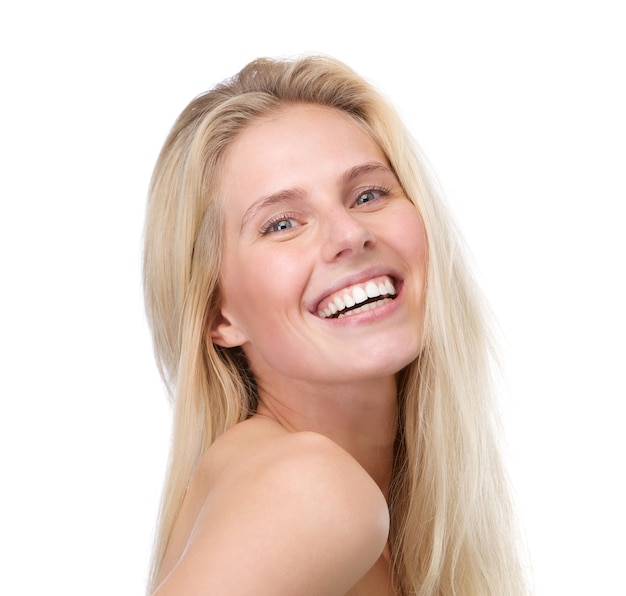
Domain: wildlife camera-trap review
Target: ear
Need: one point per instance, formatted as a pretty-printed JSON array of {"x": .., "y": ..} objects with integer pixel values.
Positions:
[{"x": 226, "y": 334}]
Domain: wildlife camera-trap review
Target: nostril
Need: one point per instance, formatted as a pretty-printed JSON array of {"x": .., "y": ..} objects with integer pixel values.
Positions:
[
  {"x": 345, "y": 234},
  {"x": 357, "y": 239}
]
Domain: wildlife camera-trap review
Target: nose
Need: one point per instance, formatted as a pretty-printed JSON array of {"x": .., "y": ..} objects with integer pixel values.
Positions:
[{"x": 345, "y": 234}]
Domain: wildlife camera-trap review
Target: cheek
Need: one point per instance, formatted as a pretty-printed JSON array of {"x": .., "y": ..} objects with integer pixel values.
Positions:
[
  {"x": 259, "y": 286},
  {"x": 412, "y": 244},
  {"x": 242, "y": 296},
  {"x": 420, "y": 245},
  {"x": 411, "y": 240}
]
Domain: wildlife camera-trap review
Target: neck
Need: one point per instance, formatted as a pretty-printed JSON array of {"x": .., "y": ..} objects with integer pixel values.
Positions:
[{"x": 360, "y": 418}]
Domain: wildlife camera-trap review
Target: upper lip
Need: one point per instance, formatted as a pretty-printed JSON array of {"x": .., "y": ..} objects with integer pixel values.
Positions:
[{"x": 352, "y": 280}]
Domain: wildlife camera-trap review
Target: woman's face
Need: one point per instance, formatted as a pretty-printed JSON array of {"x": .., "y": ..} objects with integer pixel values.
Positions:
[{"x": 316, "y": 223}]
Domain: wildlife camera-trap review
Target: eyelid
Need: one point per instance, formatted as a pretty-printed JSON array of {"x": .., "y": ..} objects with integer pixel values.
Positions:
[
  {"x": 382, "y": 190},
  {"x": 266, "y": 227}
]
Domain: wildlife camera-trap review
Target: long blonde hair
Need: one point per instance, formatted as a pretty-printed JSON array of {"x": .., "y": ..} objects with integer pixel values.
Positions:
[{"x": 451, "y": 529}]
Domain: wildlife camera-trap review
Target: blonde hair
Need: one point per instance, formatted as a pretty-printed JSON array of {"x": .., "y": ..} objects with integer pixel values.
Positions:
[{"x": 451, "y": 529}]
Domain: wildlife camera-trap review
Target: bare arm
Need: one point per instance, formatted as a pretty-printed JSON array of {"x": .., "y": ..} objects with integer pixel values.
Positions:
[{"x": 298, "y": 517}]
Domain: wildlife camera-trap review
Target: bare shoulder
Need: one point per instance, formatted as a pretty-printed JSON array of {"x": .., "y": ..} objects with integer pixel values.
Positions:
[{"x": 279, "y": 513}]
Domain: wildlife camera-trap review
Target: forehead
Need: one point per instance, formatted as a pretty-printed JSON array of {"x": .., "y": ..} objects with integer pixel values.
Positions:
[
  {"x": 292, "y": 122},
  {"x": 295, "y": 145}
]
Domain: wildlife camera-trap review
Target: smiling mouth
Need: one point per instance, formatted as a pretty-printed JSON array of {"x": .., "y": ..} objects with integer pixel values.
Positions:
[{"x": 357, "y": 298}]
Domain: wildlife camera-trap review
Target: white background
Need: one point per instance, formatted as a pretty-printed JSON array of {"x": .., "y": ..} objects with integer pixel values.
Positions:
[{"x": 520, "y": 107}]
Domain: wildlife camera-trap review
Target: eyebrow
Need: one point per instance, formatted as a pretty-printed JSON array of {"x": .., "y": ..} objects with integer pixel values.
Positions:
[
  {"x": 283, "y": 196},
  {"x": 367, "y": 168}
]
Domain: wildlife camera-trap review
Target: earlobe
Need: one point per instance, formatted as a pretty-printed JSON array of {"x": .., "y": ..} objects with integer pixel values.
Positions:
[{"x": 225, "y": 334}]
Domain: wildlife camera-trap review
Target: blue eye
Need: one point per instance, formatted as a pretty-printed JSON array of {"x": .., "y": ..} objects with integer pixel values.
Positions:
[
  {"x": 280, "y": 224},
  {"x": 370, "y": 195},
  {"x": 283, "y": 224}
]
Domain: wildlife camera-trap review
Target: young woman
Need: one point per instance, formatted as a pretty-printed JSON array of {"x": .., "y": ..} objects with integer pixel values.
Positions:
[{"x": 325, "y": 350}]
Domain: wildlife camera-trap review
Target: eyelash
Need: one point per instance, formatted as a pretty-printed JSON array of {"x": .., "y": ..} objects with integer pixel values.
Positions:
[
  {"x": 267, "y": 227},
  {"x": 382, "y": 190}
]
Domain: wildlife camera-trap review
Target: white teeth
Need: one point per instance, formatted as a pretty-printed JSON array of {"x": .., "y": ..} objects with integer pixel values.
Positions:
[
  {"x": 370, "y": 306},
  {"x": 372, "y": 290},
  {"x": 359, "y": 295}
]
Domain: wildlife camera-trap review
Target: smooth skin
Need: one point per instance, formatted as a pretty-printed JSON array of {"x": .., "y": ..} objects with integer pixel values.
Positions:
[{"x": 293, "y": 501}]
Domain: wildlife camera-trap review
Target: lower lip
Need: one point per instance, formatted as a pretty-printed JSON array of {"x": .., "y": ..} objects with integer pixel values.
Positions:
[{"x": 368, "y": 316}]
